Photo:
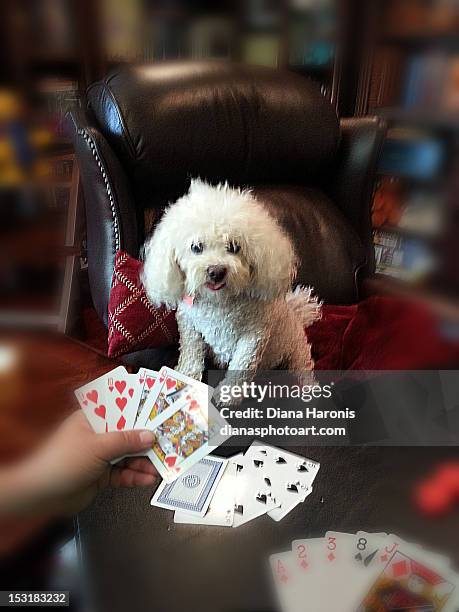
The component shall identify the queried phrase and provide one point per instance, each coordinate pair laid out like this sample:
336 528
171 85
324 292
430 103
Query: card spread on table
263 481
187 428
364 572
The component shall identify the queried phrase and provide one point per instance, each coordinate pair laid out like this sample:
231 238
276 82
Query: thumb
118 443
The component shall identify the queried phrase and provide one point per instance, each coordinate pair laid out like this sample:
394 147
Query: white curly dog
225 264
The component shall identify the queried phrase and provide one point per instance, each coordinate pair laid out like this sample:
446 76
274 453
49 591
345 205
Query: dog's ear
161 275
273 261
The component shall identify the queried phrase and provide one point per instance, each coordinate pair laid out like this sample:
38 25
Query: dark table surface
137 559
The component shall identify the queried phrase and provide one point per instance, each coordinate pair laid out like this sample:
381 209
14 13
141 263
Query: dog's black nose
216 273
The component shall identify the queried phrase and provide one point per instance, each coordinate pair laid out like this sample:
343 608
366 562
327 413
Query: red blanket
382 333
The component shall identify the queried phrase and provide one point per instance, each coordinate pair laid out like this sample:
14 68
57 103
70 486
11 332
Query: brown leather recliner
148 129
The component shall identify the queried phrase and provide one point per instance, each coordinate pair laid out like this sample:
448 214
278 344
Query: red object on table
432 499
448 476
438 494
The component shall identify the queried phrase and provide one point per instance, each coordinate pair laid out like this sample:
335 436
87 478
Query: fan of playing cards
367 572
202 489
175 407
231 492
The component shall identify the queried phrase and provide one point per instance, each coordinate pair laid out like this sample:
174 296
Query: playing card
368 555
221 509
170 386
290 476
286 582
146 379
407 582
308 555
387 545
347 559
253 493
184 432
122 396
365 572
93 400
193 490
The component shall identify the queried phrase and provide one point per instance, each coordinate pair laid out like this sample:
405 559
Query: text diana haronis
277 413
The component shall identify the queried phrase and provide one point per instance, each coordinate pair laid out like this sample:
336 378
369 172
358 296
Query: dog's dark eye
233 247
197 247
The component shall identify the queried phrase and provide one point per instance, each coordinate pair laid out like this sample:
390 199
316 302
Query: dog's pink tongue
215 287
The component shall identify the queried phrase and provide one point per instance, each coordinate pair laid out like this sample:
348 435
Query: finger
140 464
131 478
118 443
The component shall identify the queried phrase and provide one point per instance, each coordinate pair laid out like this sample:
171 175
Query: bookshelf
53 49
410 77
43 251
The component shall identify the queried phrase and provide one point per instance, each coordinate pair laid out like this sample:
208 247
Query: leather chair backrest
167 122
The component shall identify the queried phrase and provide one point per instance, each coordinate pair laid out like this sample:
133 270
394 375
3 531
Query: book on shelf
311 35
211 38
402 257
421 17
262 14
165 40
53 33
123 23
58 95
452 85
262 49
386 77
412 210
431 81
412 152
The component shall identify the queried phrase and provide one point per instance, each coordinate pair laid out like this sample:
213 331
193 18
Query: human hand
66 473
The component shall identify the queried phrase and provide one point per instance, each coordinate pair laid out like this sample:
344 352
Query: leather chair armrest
354 171
111 218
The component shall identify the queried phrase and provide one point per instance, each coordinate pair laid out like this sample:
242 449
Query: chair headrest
216 120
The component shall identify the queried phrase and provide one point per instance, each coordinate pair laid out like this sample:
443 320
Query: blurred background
398 59
394 58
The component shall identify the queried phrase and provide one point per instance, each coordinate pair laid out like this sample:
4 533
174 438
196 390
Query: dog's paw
190 372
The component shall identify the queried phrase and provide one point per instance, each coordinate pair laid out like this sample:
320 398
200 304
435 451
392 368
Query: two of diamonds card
367 572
